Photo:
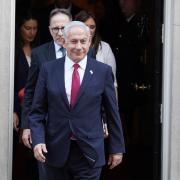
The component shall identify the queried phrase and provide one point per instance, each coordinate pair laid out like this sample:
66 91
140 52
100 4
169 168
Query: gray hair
73 24
60 11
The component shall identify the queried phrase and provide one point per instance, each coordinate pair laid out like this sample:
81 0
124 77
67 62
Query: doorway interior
142 160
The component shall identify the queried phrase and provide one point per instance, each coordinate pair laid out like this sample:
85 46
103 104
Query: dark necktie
75 85
63 51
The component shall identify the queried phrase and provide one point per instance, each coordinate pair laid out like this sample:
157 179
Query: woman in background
24 165
99 50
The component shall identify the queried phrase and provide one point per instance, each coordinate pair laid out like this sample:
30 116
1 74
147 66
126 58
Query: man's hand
39 149
114 160
26 138
15 121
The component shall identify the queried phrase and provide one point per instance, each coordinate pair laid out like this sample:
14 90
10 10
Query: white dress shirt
28 58
68 69
59 53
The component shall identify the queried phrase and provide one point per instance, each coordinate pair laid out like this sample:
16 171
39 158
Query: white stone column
175 114
7 9
171 89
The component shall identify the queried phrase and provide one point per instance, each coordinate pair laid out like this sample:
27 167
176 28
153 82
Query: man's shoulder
43 47
98 64
105 45
53 63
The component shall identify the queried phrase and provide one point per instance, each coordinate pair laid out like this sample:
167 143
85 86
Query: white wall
175 114
6 83
171 92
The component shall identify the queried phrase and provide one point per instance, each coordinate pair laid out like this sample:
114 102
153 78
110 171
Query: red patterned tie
75 85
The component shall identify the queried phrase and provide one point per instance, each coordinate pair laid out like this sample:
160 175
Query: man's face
57 24
128 7
62 3
77 43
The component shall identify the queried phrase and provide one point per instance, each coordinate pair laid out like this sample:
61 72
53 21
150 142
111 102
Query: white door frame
166 88
7 29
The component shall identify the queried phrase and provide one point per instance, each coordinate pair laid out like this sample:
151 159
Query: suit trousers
76 168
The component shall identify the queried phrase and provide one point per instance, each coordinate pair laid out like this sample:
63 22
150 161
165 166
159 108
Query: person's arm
15 121
111 61
17 106
37 117
16 110
116 145
28 97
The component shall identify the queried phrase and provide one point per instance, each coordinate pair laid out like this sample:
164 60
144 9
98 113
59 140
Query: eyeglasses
55 30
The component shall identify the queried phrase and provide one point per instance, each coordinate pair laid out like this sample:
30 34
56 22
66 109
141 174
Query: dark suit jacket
84 120
41 54
20 77
128 41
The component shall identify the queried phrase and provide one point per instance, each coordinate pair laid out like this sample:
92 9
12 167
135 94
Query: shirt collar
57 47
69 63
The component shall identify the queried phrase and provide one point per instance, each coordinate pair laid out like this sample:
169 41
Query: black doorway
142 160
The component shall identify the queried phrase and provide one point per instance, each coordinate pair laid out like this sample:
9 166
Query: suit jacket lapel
86 79
61 79
51 51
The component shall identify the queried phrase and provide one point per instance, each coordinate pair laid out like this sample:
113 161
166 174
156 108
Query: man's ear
50 30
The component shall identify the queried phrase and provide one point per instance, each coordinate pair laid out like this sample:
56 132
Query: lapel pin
91 71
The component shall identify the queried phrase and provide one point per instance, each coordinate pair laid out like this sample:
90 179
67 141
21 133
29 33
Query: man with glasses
44 13
49 51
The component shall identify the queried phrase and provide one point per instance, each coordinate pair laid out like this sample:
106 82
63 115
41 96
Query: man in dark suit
128 37
69 95
44 13
46 52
